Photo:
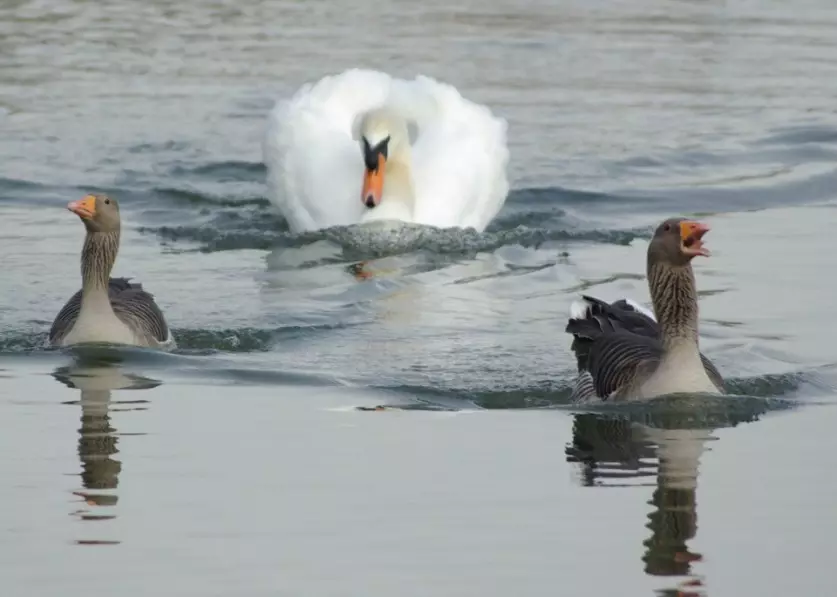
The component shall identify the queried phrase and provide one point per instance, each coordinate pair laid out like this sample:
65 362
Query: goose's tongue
691 238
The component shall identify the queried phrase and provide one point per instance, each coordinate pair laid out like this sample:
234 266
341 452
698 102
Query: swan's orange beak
691 235
85 208
373 183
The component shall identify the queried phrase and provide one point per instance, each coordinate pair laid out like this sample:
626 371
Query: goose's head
383 137
677 241
99 213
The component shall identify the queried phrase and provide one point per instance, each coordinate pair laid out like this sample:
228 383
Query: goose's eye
667 227
107 201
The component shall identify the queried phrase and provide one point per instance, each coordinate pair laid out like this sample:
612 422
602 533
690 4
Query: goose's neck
674 295
97 259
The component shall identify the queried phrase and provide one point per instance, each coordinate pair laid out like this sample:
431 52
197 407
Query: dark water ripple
189 341
207 206
357 244
554 390
221 206
772 391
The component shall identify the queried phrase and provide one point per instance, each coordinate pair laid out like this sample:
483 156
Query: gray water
241 465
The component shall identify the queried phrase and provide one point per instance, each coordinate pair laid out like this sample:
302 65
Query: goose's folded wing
66 318
714 375
138 310
623 314
615 345
592 319
615 361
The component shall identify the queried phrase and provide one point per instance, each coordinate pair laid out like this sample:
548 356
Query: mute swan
363 146
623 353
107 309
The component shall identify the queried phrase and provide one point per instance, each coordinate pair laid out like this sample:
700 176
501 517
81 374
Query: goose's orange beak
85 208
373 183
691 235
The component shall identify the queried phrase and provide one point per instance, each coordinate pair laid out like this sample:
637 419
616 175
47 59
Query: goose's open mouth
691 238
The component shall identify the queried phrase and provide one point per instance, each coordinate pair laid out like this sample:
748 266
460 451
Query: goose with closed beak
110 310
623 352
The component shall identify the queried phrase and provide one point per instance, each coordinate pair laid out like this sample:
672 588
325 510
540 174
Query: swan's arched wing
459 157
315 167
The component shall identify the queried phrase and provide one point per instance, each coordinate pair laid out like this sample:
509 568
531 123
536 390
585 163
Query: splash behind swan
363 146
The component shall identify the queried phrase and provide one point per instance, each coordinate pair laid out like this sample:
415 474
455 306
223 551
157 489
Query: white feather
641 309
579 309
315 166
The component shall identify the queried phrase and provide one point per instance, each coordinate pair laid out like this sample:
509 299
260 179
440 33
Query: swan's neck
398 183
97 259
398 197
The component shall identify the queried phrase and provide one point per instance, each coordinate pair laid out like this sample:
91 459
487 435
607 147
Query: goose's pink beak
85 208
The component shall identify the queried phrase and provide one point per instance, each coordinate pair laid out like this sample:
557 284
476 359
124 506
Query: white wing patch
641 309
579 309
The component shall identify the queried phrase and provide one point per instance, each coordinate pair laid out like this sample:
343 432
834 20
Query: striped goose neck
97 259
674 295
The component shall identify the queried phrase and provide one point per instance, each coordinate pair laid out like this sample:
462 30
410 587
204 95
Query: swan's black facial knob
374 158
370 154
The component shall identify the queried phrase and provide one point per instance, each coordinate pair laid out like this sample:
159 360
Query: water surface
241 465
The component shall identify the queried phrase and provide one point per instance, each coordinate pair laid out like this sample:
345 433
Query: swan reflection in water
98 438
661 450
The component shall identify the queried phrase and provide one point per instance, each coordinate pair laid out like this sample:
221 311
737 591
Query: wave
367 242
189 341
222 206
210 355
774 391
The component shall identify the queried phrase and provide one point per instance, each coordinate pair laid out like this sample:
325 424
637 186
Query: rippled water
240 465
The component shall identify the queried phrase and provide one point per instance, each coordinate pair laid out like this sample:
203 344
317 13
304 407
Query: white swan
363 146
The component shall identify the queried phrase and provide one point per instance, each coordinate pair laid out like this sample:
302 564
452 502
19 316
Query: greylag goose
106 309
623 353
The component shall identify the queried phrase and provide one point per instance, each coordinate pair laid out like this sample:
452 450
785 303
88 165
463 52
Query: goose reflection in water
98 438
666 446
